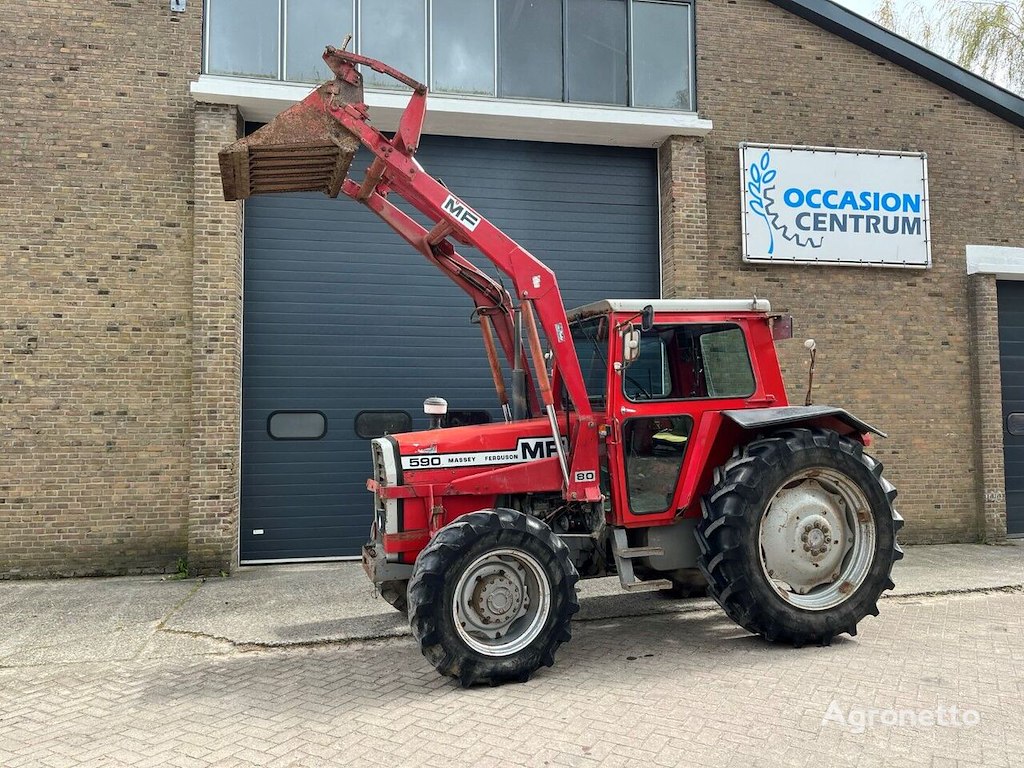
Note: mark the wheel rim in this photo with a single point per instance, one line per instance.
(501, 602)
(817, 539)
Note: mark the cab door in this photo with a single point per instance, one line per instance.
(685, 371)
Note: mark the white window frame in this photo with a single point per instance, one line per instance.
(282, 57)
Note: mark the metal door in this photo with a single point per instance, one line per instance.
(1011, 362)
(340, 315)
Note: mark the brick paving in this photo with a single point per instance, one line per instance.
(669, 690)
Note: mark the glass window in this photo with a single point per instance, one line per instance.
(647, 378)
(591, 340)
(370, 424)
(395, 32)
(530, 49)
(297, 425)
(653, 449)
(311, 25)
(243, 37)
(726, 363)
(596, 55)
(685, 362)
(462, 46)
(661, 55)
(465, 417)
(635, 52)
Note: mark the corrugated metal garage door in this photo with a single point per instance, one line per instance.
(340, 315)
(1011, 362)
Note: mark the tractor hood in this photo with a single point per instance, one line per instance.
(455, 450)
(424, 480)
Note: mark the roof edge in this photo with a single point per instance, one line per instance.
(605, 306)
(909, 55)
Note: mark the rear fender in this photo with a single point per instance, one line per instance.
(807, 415)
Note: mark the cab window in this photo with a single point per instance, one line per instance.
(590, 337)
(684, 362)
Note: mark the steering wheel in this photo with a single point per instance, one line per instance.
(641, 390)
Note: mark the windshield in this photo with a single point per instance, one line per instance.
(591, 339)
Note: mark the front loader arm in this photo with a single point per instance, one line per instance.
(491, 300)
(396, 169)
(310, 147)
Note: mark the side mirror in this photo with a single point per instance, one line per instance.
(630, 345)
(647, 318)
(782, 327)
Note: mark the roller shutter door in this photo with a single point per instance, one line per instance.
(340, 316)
(1011, 362)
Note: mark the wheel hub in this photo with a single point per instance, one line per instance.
(816, 535)
(814, 538)
(496, 606)
(498, 597)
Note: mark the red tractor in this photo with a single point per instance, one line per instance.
(652, 439)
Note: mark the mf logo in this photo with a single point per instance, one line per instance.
(537, 448)
(460, 212)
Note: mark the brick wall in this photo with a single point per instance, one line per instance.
(988, 415)
(894, 345)
(96, 258)
(684, 218)
(217, 351)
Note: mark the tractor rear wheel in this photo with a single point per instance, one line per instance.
(798, 536)
(491, 597)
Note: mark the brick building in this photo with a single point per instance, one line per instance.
(134, 438)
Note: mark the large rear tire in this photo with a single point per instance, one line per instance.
(491, 597)
(798, 536)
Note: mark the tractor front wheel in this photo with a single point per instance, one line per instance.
(394, 593)
(798, 536)
(491, 597)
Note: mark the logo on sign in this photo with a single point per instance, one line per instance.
(759, 179)
(461, 212)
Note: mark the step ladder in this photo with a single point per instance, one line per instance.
(624, 557)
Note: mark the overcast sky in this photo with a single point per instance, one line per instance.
(866, 7)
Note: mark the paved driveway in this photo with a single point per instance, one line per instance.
(672, 689)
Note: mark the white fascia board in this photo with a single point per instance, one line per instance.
(487, 118)
(1002, 261)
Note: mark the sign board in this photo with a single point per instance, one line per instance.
(852, 207)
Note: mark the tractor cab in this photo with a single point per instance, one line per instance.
(661, 373)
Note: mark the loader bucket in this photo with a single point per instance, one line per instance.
(303, 149)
